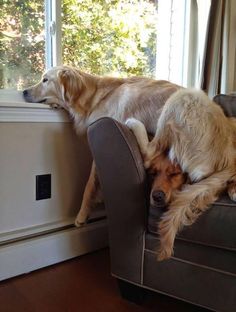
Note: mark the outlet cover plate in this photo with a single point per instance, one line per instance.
(43, 186)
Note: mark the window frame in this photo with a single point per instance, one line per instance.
(53, 33)
(176, 32)
(53, 52)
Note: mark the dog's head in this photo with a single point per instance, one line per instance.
(165, 178)
(61, 86)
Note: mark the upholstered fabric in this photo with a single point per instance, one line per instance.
(216, 227)
(228, 103)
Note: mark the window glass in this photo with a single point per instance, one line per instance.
(22, 43)
(115, 37)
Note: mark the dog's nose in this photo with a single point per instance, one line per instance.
(25, 93)
(158, 197)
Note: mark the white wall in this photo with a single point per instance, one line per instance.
(30, 149)
(30, 146)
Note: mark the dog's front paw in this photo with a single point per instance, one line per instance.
(81, 219)
(163, 254)
(232, 191)
(79, 223)
(54, 106)
(166, 231)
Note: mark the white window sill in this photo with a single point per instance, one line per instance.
(13, 108)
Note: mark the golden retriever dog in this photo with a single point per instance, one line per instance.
(202, 140)
(88, 97)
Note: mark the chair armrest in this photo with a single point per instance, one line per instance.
(227, 103)
(123, 182)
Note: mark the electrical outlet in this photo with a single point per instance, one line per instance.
(43, 186)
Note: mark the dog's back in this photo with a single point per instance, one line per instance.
(200, 135)
(137, 97)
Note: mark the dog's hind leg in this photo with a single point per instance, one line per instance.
(140, 132)
(165, 132)
(88, 197)
(186, 207)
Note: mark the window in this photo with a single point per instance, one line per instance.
(153, 38)
(115, 37)
(22, 43)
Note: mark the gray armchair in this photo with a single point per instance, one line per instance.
(203, 268)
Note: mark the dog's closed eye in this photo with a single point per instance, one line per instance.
(153, 173)
(173, 174)
(45, 80)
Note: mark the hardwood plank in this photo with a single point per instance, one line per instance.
(81, 284)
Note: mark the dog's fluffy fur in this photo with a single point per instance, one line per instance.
(88, 97)
(202, 140)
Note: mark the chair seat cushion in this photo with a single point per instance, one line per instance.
(216, 227)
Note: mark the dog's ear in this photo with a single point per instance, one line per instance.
(72, 85)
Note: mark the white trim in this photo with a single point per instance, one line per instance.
(22, 233)
(53, 33)
(48, 37)
(189, 43)
(202, 12)
(31, 254)
(56, 37)
(13, 108)
(27, 112)
(173, 28)
(228, 80)
(163, 39)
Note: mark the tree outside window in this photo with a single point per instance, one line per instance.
(105, 37)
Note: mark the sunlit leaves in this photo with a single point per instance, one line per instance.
(110, 37)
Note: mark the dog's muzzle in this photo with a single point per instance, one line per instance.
(25, 92)
(158, 198)
(27, 96)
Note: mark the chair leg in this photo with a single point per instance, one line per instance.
(131, 292)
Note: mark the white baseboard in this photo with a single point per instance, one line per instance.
(30, 254)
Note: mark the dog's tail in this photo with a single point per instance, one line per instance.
(187, 206)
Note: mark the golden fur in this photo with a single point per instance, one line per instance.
(88, 97)
(202, 140)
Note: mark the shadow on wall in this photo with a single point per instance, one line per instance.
(71, 170)
(31, 149)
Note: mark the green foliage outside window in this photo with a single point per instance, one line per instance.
(22, 45)
(114, 37)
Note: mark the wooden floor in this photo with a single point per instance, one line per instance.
(83, 284)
